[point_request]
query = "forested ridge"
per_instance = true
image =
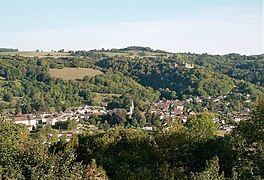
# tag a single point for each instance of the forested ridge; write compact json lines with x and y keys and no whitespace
{"x":29,"y":79}
{"x":162,"y":73}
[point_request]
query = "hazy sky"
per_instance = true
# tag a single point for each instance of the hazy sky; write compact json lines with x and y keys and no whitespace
{"x":198,"y":26}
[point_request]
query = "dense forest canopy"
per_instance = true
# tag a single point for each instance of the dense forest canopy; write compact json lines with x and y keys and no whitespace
{"x":162,"y":73}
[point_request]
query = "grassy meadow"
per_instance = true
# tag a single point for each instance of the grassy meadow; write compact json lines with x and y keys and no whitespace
{"x":74,"y":73}
{"x":100,"y":97}
{"x":36,"y":54}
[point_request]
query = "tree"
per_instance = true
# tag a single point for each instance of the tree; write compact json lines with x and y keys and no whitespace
{"x":13,"y":139}
{"x":71,"y":124}
{"x":139,"y":118}
{"x":24,"y":158}
{"x":123,"y":153}
{"x":27,"y":109}
{"x":212,"y":171}
{"x":66,"y":125}
{"x":248,"y":142}
{"x":202,"y":126}
{"x":18,"y":110}
{"x":62,"y":50}
{"x":106,"y":125}
{"x":93,"y":172}
{"x":8,"y":97}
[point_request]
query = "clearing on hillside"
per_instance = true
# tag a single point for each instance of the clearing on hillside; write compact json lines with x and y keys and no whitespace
{"x":74,"y":73}
{"x":100,"y":97}
{"x":38,"y":54}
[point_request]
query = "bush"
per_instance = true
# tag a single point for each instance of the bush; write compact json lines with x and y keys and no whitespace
{"x":8,"y":97}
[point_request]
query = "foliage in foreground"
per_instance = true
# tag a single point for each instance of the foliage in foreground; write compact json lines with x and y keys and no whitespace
{"x":193,"y":152}
{"x":24,"y":158}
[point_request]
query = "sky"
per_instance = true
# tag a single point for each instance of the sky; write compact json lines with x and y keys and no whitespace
{"x":196,"y":26}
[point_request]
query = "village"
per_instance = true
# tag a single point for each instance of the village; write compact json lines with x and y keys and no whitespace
{"x":170,"y":109}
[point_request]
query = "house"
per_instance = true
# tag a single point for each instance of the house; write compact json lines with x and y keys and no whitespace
{"x":248,"y":101}
{"x":148,"y":128}
{"x":221,"y":97}
{"x":245,"y":110}
{"x":191,"y":113}
{"x":198,"y":100}
{"x":52,"y":121}
{"x":83,"y":110}
{"x":227,"y":127}
{"x":43,"y":117}
{"x":237,"y":118}
{"x":179,"y":107}
{"x":216,"y":119}
{"x":175,"y":113}
{"x":184,"y":119}
{"x":102,"y":112}
{"x":155,"y":111}
{"x":84,"y":116}
{"x":68,"y":112}
{"x":104,"y":104}
{"x":161,"y":116}
{"x":27,"y":119}
{"x":189,"y":100}
{"x":189,"y":66}
{"x":216,"y":100}
{"x":164,"y":106}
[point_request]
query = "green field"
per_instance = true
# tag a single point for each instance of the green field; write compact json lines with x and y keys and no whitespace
{"x":74,"y":73}
{"x":100,"y":97}
{"x":38,"y":54}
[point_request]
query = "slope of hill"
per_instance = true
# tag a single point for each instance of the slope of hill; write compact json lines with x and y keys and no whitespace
{"x":173,"y":74}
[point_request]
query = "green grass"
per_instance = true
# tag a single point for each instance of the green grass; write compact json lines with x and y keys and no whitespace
{"x":38,"y":54}
{"x":74,"y":73}
{"x":100,"y":97}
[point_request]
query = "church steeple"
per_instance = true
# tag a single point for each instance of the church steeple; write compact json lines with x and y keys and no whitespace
{"x":131,"y":109}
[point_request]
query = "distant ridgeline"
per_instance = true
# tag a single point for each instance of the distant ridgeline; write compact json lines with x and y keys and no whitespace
{"x":8,"y":50}
{"x":114,"y":50}
{"x":136,"y":48}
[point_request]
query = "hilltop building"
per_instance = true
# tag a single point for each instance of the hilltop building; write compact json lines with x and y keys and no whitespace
{"x":189,"y":66}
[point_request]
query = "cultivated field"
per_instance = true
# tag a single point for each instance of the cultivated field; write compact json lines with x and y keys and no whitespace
{"x":38,"y":54}
{"x":74,"y":73}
